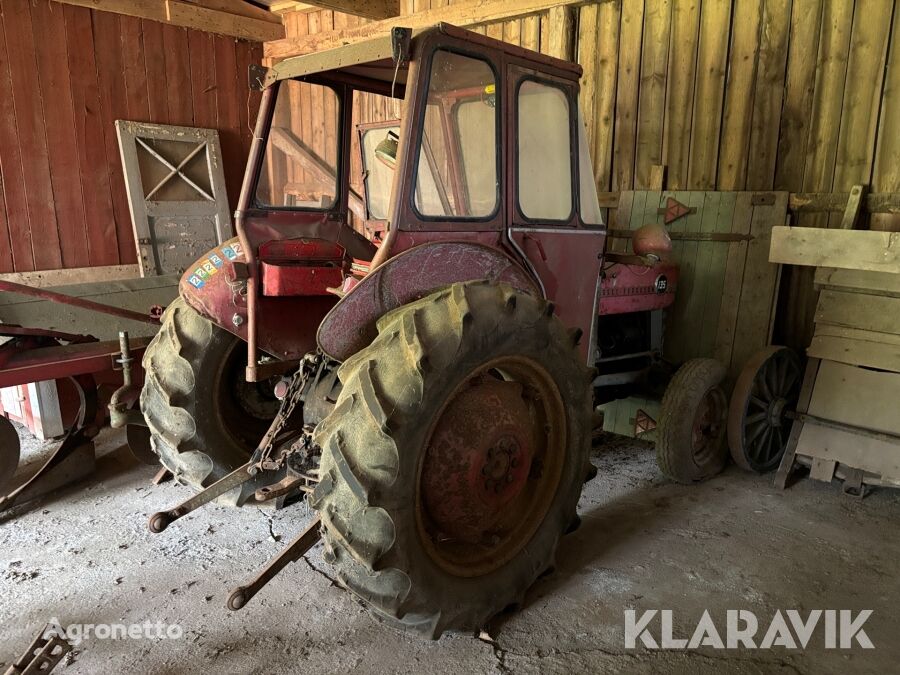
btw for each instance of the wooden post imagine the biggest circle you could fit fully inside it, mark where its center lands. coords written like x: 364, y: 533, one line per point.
x: 561, y: 33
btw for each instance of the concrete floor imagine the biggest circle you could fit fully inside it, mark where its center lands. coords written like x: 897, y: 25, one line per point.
x: 733, y: 543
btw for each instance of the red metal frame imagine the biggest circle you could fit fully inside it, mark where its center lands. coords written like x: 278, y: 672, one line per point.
x: 23, y: 365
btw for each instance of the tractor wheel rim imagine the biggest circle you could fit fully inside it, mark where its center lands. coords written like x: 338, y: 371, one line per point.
x: 245, y: 408
x: 491, y: 467
x: 709, y: 422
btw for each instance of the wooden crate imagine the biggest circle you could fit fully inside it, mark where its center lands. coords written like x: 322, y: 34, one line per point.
x: 858, y: 318
x: 860, y: 397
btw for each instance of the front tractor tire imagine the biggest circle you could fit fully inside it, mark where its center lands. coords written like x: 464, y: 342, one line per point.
x: 204, y: 418
x: 453, y: 460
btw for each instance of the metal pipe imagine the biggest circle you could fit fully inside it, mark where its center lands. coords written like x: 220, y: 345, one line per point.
x: 254, y: 160
x: 125, y: 358
x: 121, y: 413
x: 61, y: 298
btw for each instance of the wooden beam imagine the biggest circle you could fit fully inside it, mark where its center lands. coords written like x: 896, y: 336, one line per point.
x: 188, y: 15
x: 285, y: 6
x: 847, y: 249
x: 77, y: 275
x: 877, y: 313
x: 859, y: 281
x: 561, y: 33
x: 368, y: 9
x: 463, y: 14
x: 836, y: 202
x: 810, y: 202
x: 237, y: 7
x: 213, y: 21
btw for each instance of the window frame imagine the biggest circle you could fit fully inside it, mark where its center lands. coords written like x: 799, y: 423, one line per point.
x: 498, y: 135
x: 335, y: 205
x: 573, y: 218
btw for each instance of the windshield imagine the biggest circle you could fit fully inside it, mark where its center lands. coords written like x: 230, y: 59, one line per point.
x: 299, y: 168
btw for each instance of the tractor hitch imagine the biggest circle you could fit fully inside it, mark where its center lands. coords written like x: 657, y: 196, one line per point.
x: 160, y: 520
x: 299, y: 457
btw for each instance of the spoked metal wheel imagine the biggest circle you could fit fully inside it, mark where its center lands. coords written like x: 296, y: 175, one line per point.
x: 758, y: 424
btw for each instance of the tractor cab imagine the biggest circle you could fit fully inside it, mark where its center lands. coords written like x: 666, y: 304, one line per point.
x: 489, y: 153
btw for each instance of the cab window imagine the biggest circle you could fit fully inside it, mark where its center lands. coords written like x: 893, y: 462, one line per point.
x: 589, y: 204
x: 379, y: 156
x: 299, y: 169
x: 544, y: 151
x: 457, y: 174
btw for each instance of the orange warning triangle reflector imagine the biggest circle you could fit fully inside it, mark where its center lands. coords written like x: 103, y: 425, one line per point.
x: 674, y: 210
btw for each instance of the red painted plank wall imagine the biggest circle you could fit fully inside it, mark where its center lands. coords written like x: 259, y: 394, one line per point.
x: 66, y: 75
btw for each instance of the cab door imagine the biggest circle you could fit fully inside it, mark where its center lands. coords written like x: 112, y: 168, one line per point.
x: 554, y: 217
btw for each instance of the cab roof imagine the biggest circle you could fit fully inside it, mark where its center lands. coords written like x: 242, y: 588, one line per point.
x: 371, y: 60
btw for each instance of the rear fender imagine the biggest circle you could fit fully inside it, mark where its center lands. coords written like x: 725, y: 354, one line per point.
x: 407, y: 277
x: 216, y: 287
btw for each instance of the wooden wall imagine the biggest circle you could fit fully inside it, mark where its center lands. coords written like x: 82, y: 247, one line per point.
x: 66, y: 74
x: 796, y: 95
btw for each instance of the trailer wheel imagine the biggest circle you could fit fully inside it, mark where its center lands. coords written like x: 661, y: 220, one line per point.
x: 204, y: 418
x: 454, y: 457
x: 690, y: 442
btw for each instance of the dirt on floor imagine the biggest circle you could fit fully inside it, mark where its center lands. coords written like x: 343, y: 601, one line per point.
x: 85, y: 556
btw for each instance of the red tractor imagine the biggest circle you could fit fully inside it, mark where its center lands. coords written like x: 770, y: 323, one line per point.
x: 432, y: 388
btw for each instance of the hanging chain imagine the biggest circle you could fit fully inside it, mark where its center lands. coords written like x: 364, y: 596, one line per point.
x: 262, y: 456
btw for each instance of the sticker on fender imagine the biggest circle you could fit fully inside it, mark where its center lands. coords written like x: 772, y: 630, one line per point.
x: 213, y: 263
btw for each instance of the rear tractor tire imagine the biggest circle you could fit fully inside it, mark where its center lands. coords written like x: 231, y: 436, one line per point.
x: 204, y: 418
x: 454, y: 458
x: 690, y: 443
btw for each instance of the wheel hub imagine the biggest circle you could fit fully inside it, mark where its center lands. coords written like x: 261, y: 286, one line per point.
x: 708, y: 421
x: 478, y: 460
x: 775, y: 413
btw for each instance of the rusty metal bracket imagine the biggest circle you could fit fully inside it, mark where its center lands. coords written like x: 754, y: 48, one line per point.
x: 45, y: 652
x: 853, y: 484
x: 241, y: 595
x: 853, y: 208
x: 686, y: 236
x: 258, y: 77
x: 121, y: 404
x: 400, y: 42
x: 762, y: 199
